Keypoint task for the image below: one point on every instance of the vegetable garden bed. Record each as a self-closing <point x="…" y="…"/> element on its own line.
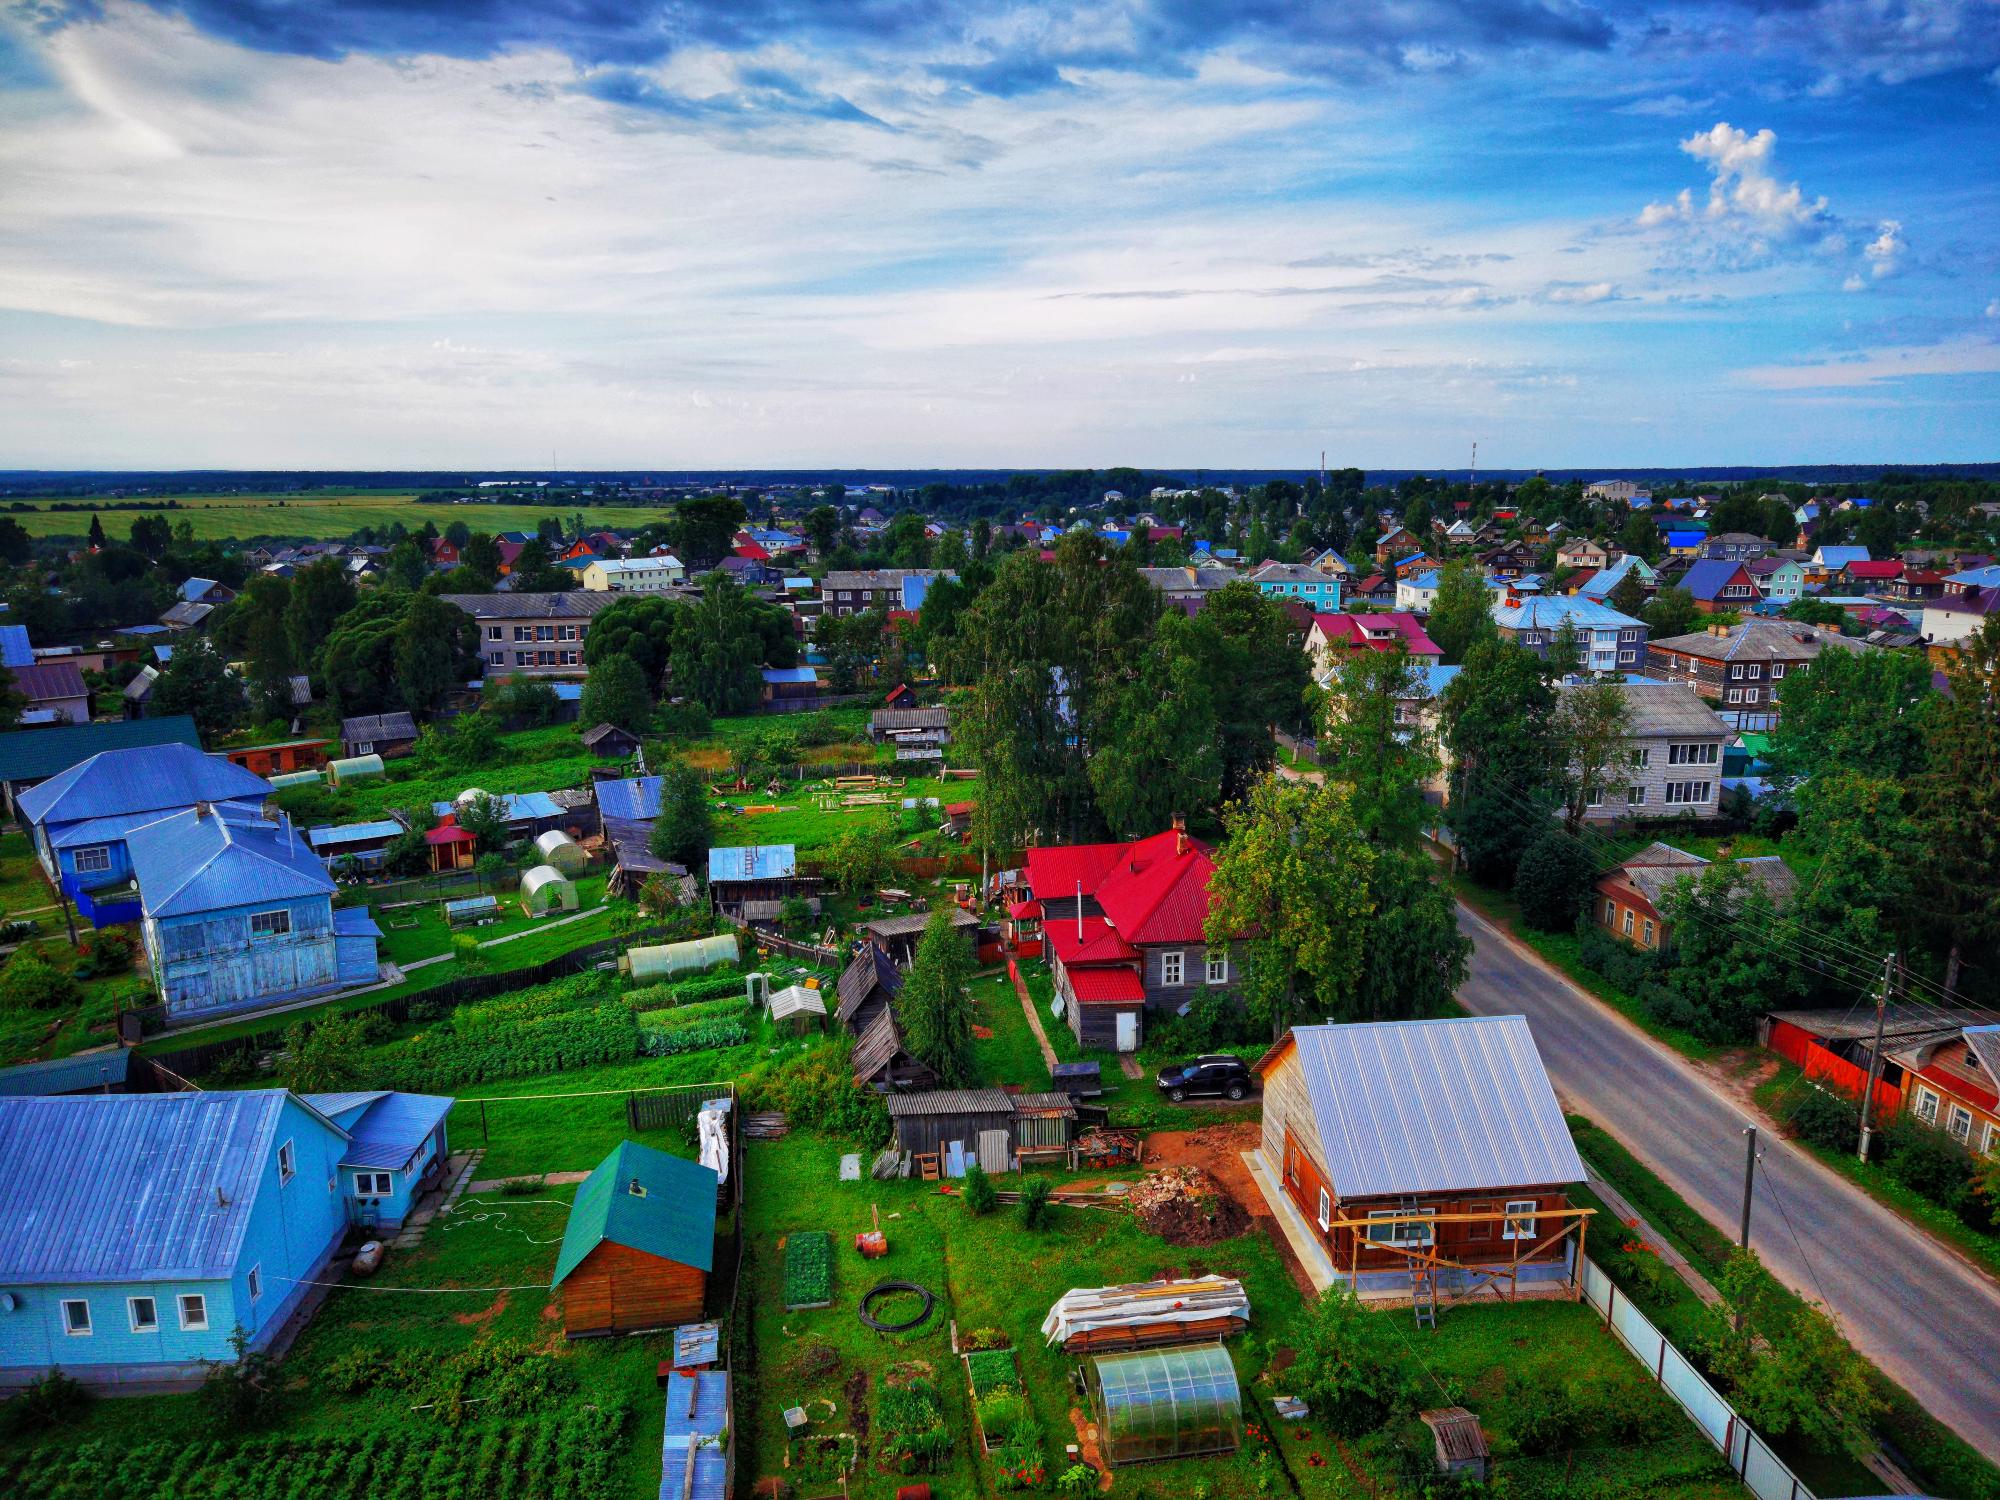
<point x="808" y="1270"/>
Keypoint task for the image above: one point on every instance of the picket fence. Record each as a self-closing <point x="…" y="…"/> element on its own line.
<point x="1763" y="1473"/>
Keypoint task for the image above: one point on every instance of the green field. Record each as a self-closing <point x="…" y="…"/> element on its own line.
<point x="322" y="516"/>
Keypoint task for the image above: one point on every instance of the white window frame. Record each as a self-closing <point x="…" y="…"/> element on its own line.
<point x="1519" y="1223"/>
<point x="1777" y="669"/>
<point x="1173" y="967"/>
<point x="1411" y="1233"/>
<point x="151" y="1322"/>
<point x="69" y="1323"/>
<point x="1647" y="931"/>
<point x="288" y="1162"/>
<point x="1635" y="796"/>
<point x="1646" y="756"/>
<point x="92" y="859"/>
<point x="1959" y="1124"/>
<point x="1325" y="1211"/>
<point x="1625" y="927"/>
<point x="1610" y="911"/>
<point x="253" y="1279"/>
<point x="374" y="1184"/>
<point x="1736" y="670"/>
<point x="1927" y="1106"/>
<point x="198" y="1322"/>
<point x="1215" y="968"/>
<point x="283" y="927"/>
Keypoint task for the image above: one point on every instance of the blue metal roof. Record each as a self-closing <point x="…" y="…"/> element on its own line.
<point x="133" y="1187"/>
<point x="1840" y="557"/>
<point x="15" y="648"/>
<point x="754" y="862"/>
<point x="193" y="588"/>
<point x="111" y="830"/>
<point x="790" y="674"/>
<point x="1686" y="538"/>
<point x="1544" y="613"/>
<point x="66" y="1075"/>
<point x="330" y="835"/>
<point x="384" y="1130"/>
<point x="190" y="862"/>
<point x="567" y="692"/>
<point x="697" y="1416"/>
<point x="354" y="921"/>
<point x="141" y="779"/>
<point x="1706" y="579"/>
<point x="636" y="798"/>
<point x="516" y="806"/>
<point x="1435" y="679"/>
<point x="32" y="756"/>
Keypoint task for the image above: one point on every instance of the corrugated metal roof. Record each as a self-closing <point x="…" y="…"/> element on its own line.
<point x="387" y="1129"/>
<point x="1434" y="1106"/>
<point x="140" y="779"/>
<point x="674" y="1218"/>
<point x="132" y="1187"/>
<point x="790" y="674"/>
<point x="753" y="862"/>
<point x="636" y="799"/>
<point x="328" y="836"/>
<point x="112" y="829"/>
<point x="694" y="1465"/>
<point x="951" y="1102"/>
<point x="190" y="862"/>
<point x="355" y="921"/>
<point x="516" y="807"/>
<point x="401" y="725"/>
<point x="67" y="1075"/>
<point x="16" y="650"/>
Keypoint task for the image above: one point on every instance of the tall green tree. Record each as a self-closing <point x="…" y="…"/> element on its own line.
<point x="1958" y="800"/>
<point x="535" y="570"/>
<point x="1592" y="733"/>
<point x="1462" y="614"/>
<point x="321" y="594"/>
<point x="822" y="526"/>
<point x="1726" y="972"/>
<point x="1505" y="775"/>
<point x="1671" y="613"/>
<point x="934" y="1007"/>
<point x="720" y="646"/>
<point x="405" y="567"/>
<point x="1857" y="709"/>
<point x="685" y="826"/>
<point x="1382" y="751"/>
<point x="1416" y="957"/>
<point x="1866" y="856"/>
<point x="478" y="564"/>
<point x="436" y="644"/>
<point x="256" y="630"/>
<point x="615" y="693"/>
<point x="1291" y="887"/>
<point x="1159" y="755"/>
<point x="704" y="528"/>
<point x="1256" y="673"/>
<point x="638" y="626"/>
<point x="199" y="683"/>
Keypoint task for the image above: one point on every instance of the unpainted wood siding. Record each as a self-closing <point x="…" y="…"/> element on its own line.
<point x="1287" y="1105"/>
<point x="617" y="1289"/>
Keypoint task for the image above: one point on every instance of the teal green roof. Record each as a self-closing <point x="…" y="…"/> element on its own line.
<point x="674" y="1219"/>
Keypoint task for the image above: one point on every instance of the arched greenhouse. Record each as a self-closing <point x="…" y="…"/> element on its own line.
<point x="1166" y="1403"/>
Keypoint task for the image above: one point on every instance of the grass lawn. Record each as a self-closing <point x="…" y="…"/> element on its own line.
<point x="801" y="822"/>
<point x="824" y="1359"/>
<point x="413" y="932"/>
<point x="1946" y="1464"/>
<point x="1010" y="1055"/>
<point x="22" y="888"/>
<point x="1780" y="1088"/>
<point x="326" y="515"/>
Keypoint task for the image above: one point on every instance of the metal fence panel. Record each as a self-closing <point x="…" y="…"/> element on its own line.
<point x="1713" y="1415"/>
<point x="1765" y="1473"/>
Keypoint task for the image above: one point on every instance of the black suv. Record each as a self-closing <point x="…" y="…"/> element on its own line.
<point x="1220" y="1074"/>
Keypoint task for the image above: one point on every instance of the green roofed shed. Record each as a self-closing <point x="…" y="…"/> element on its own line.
<point x="639" y="1244"/>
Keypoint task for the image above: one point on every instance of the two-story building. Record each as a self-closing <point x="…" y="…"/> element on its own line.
<point x="1953" y="1083"/>
<point x="1743" y="666"/>
<point x="1317" y="591"/>
<point x="1607" y="640"/>
<point x="1962" y="606"/>
<point x="1123" y="925"/>
<point x="1331" y="637"/>
<point x="1779" y="580"/>
<point x="1582" y="552"/>
<point x="1718" y="585"/>
<point x="534" y="635"/>
<point x="848" y="592"/>
<point x="1672" y="756"/>
<point x="1186" y="587"/>
<point x="633" y="575"/>
<point x="1734" y="546"/>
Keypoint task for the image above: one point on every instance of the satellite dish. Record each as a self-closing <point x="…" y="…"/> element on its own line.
<point x="8" y="1302"/>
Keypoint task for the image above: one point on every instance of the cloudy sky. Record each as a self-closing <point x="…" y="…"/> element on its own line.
<point x="705" y="233"/>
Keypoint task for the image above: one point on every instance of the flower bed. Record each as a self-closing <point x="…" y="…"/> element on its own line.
<point x="988" y="1369"/>
<point x="808" y="1269"/>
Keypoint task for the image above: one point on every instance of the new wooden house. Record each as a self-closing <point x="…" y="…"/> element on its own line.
<point x="1422" y="1156"/>
<point x="639" y="1244"/>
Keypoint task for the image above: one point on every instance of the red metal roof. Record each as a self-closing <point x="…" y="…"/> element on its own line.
<point x="1119" y="986"/>
<point x="1153" y="891"/>
<point x="1378" y="632"/>
<point x="1025" y="911"/>
<point x="1887" y="568"/>
<point x="1057" y="872"/>
<point x="450" y="833"/>
<point x="1099" y="944"/>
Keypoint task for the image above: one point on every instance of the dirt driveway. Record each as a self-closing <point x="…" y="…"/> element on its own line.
<point x="1218" y="1150"/>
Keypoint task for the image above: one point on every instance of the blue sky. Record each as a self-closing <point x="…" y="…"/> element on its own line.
<point x="315" y="233"/>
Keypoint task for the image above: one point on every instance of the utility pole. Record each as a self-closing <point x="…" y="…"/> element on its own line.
<point x="1749" y="1180"/>
<point x="1889" y="968"/>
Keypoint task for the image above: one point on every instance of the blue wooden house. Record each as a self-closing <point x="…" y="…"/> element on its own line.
<point x="396" y="1149"/>
<point x="238" y="912"/>
<point x="81" y="820"/>
<point x="141" y="1231"/>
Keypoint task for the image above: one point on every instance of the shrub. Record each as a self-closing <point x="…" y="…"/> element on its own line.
<point x="465" y="948"/>
<point x="656" y="1041"/>
<point x="31" y="982"/>
<point x="1543" y="1413"/>
<point x="109" y="951"/>
<point x="1928" y="1162"/>
<point x="1349" y="1364"/>
<point x="1034" y="1201"/>
<point x="52" y="1401"/>
<point x="979" y="1193"/>
<point x="1825" y="1119"/>
<point x="243" y="1392"/>
<point x="1552" y="880"/>
<point x="520" y="1187"/>
<point x="685" y="721"/>
<point x="910" y="1419"/>
<point x="808" y="1268"/>
<point x="815" y="1089"/>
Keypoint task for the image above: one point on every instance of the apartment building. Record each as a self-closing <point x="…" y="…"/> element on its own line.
<point x="534" y="635"/>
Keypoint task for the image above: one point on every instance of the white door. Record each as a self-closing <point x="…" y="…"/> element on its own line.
<point x="1128" y="1031"/>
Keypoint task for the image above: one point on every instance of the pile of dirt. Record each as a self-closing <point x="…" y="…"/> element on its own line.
<point x="1186" y="1206"/>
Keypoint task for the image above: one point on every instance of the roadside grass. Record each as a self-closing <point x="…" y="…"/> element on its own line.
<point x="1782" y="1088"/>
<point x="322" y="515"/>
<point x="1562" y="950"/>
<point x="1947" y="1465"/>
<point x="814" y="1358"/>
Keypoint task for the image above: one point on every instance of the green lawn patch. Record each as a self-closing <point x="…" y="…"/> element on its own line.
<point x="422" y="931"/>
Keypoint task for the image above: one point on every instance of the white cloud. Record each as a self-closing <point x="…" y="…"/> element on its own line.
<point x="1579" y="293"/>
<point x="1993" y="308"/>
<point x="1961" y="356"/>
<point x="1884" y="250"/>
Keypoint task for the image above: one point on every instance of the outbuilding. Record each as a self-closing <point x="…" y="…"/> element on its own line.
<point x="969" y="1124"/>
<point x="557" y="848"/>
<point x="545" y="889"/>
<point x="639" y="1244"/>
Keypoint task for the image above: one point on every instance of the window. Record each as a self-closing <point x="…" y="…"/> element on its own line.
<point x="194" y="1312"/>
<point x="288" y="1162"/>
<point x="1218" y="967"/>
<point x="1961" y="1124"/>
<point x="255" y="1281"/>
<point x="1646" y="757"/>
<point x="143" y="1313"/>
<point x="1399" y="1234"/>
<point x="1649" y="932"/>
<point x="1325" y="1210"/>
<point x="1736" y="669"/>
<point x="1687" y="792"/>
<point x="1736" y="695"/>
<point x="76" y="1317"/>
<point x="1636" y="795"/>
<point x="1610" y="912"/>
<point x="270" y="923"/>
<point x="1173" y="968"/>
<point x="1753" y="671"/>
<point x="1628" y="657"/>
<point x="1520" y="1221"/>
<point x="1626" y="926"/>
<point x="493" y="633"/>
<point x="1699" y="754"/>
<point x="1777" y="670"/>
<point x="372" y="1184"/>
<point x="1593" y="796"/>
<point x="523" y="633"/>
<point x="1927" y="1104"/>
<point x="93" y="859"/>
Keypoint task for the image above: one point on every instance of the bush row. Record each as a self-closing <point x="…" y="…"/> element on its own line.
<point x="713" y="985"/>
<point x="572" y="1023"/>
<point x="707" y="1036"/>
<point x="1920" y="1157"/>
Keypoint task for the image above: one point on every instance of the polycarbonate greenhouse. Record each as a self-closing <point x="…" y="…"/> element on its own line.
<point x="1167" y="1403"/>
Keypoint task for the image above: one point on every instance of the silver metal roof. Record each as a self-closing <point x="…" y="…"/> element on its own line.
<point x="1434" y="1107"/>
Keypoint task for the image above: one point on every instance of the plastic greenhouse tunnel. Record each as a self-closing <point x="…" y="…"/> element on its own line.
<point x="1167" y="1403"/>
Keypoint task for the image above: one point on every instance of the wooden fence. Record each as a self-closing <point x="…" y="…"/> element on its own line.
<point x="1304" y="749"/>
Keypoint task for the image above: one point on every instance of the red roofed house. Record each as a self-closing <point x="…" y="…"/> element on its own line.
<point x="1122" y="927"/>
<point x="1866" y="575"/>
<point x="444" y="552"/>
<point x="1336" y="633"/>
<point x="508" y="552"/>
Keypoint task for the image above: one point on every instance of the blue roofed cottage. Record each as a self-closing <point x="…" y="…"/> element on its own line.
<point x="396" y="1149"/>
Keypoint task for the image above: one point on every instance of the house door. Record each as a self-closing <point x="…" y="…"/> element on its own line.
<point x="1128" y="1031"/>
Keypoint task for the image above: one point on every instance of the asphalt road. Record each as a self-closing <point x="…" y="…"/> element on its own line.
<point x="1925" y="1317"/>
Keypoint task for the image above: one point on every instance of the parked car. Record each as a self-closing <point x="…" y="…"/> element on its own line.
<point x="1220" y="1075"/>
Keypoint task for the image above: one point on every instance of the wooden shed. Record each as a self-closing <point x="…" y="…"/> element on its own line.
<point x="980" y="1122"/>
<point x="1459" y="1441"/>
<point x="639" y="1244"/>
<point x="899" y="936"/>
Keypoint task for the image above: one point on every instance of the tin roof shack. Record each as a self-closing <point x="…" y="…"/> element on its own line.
<point x="639" y="1244"/>
<point x="899" y="936"/>
<point x="127" y="1286"/>
<point x="280" y="759"/>
<point x="396" y="1149"/>
<point x="238" y="912"/>
<point x="387" y="735"/>
<point x="1147" y="1315"/>
<point x="1423" y="1156"/>
<point x="969" y="1124"/>
<point x="698" y="1453"/>
<point x="98" y="1072"/>
<point x="910" y="726"/>
<point x="364" y="846"/>
<point x="750" y="883"/>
